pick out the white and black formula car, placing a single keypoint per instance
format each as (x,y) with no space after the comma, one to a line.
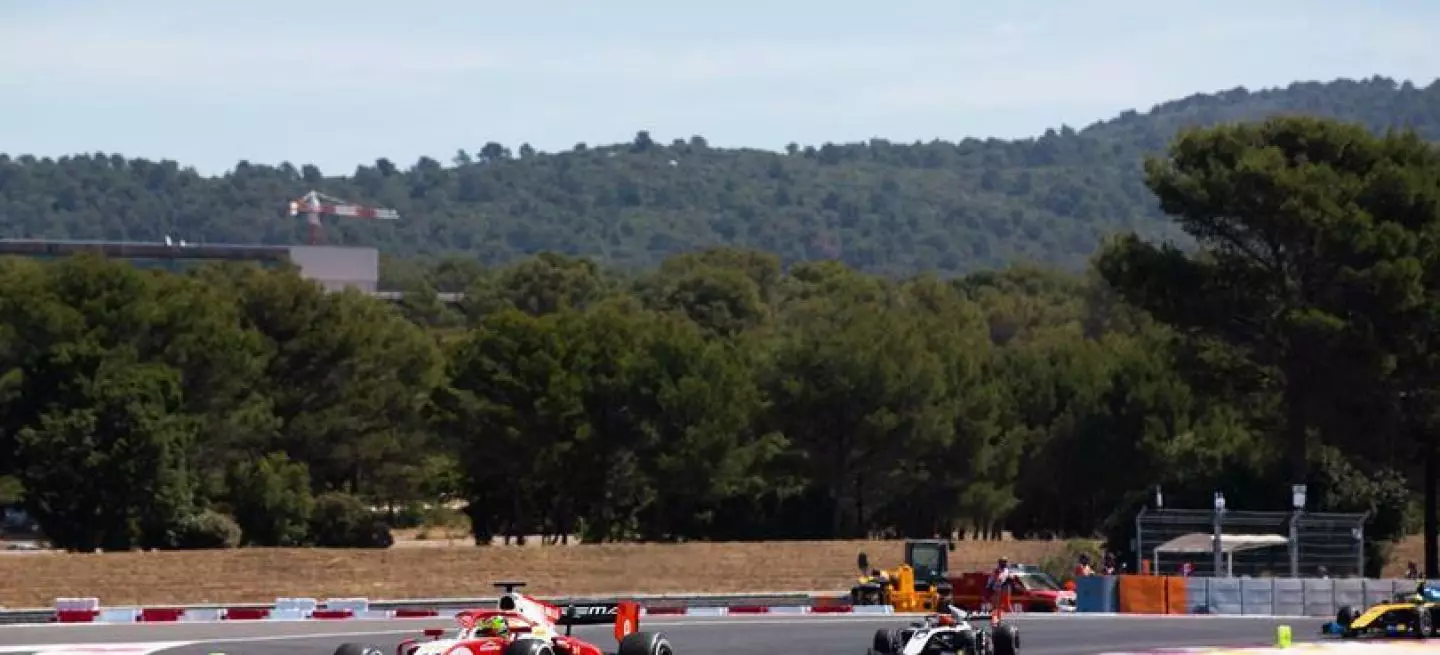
(948,634)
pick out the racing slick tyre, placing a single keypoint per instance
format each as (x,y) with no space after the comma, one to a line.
(1345,616)
(886,642)
(1424,627)
(644,643)
(1006,639)
(529,647)
(359,649)
(972,643)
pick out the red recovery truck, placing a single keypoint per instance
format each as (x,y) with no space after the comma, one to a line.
(1034,591)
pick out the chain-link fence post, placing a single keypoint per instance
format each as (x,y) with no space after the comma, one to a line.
(1295,544)
(1140,540)
(1219,529)
(1359,533)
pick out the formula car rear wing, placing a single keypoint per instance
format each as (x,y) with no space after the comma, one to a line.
(589,614)
(961,615)
(625,615)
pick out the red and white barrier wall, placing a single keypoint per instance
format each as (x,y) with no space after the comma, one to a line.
(89,610)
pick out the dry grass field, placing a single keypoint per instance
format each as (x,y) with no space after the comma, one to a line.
(462,570)
(1410,549)
(437,566)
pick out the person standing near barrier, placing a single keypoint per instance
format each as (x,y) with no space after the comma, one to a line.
(1109,565)
(997,588)
(1082,567)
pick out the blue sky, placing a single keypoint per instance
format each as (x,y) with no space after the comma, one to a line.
(339,83)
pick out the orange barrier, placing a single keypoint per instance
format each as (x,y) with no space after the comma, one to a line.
(1142,594)
(1175,599)
(1149,594)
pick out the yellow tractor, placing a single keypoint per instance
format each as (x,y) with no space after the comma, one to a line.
(918,585)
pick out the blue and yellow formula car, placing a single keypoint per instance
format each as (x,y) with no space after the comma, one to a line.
(1413,615)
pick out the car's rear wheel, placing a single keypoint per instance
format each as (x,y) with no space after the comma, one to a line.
(359,649)
(645,643)
(1006,638)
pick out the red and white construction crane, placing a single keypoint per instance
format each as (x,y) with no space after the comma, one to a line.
(314,204)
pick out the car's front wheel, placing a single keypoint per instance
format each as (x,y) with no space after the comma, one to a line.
(529,647)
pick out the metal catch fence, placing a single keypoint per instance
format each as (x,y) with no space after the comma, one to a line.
(1250,543)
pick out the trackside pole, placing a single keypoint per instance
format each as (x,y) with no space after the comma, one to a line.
(1218,528)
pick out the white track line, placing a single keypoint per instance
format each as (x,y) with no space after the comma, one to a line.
(127,648)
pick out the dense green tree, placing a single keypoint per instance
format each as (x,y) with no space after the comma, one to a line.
(681,408)
(856,390)
(1317,241)
(105,465)
(348,379)
(512,408)
(271,500)
(342,520)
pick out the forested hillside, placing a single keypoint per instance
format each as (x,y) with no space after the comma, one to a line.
(880,207)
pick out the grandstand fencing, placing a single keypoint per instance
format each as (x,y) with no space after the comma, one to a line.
(1251,543)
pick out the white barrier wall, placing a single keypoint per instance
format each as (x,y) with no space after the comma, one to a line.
(1257,596)
(1221,596)
(1319,597)
(1289,596)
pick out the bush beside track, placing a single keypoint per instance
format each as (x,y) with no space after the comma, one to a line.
(259,575)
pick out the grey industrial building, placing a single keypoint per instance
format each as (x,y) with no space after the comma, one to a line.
(334,267)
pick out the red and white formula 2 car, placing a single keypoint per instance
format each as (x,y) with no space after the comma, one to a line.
(524,625)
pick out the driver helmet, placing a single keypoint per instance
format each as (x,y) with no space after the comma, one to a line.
(495,626)
(1003,563)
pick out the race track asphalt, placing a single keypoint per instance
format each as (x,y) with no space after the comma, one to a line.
(827,635)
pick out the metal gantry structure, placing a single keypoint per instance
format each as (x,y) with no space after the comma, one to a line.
(315,204)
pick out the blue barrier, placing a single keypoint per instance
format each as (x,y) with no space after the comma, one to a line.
(1097,594)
